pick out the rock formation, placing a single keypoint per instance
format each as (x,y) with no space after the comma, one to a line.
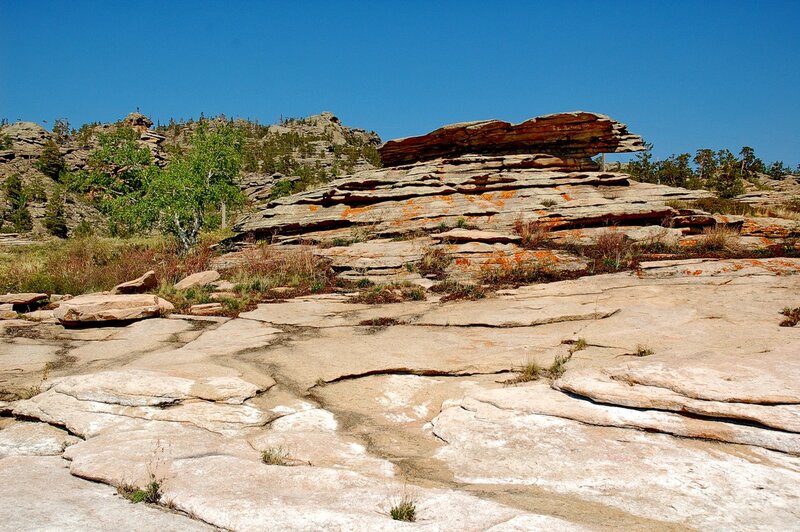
(493,177)
(578,135)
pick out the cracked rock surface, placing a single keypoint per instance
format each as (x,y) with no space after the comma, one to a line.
(678,408)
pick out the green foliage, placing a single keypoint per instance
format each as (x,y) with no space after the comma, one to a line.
(17,214)
(36,191)
(150,494)
(719,171)
(5,142)
(282,188)
(51,162)
(184,198)
(54,218)
(61,130)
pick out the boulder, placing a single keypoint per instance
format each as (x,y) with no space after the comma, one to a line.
(146,282)
(197,279)
(95,308)
(576,134)
(23,299)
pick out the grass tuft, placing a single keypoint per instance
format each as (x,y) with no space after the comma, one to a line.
(643,351)
(275,456)
(405,510)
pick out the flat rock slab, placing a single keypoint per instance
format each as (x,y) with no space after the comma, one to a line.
(646,474)
(236,494)
(94,308)
(23,299)
(34,439)
(39,493)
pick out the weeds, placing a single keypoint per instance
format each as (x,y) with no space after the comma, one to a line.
(275,456)
(405,510)
(719,239)
(643,351)
(792,317)
(92,264)
(150,494)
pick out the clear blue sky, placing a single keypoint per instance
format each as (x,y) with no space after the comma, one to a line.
(682,74)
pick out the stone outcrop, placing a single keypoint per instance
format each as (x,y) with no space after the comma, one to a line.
(470,191)
(27,138)
(577,135)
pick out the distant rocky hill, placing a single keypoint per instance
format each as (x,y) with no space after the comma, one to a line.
(292,156)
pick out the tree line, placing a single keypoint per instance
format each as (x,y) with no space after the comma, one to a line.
(719,171)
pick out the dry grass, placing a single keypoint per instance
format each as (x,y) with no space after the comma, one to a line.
(434,262)
(792,317)
(454,290)
(390,293)
(266,266)
(275,456)
(91,264)
(532,233)
(719,239)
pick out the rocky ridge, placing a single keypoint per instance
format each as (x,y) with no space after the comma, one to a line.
(395,214)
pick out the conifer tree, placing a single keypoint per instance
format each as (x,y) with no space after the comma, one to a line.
(17,213)
(54,218)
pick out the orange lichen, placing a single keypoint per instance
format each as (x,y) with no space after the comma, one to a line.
(566,197)
(350,212)
(313,208)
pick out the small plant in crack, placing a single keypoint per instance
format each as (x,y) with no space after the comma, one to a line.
(528,372)
(643,351)
(150,494)
(576,345)
(532,371)
(321,383)
(792,317)
(275,456)
(404,510)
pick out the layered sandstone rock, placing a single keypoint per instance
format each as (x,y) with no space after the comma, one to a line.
(577,134)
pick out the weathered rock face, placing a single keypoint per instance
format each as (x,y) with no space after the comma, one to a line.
(578,135)
(27,138)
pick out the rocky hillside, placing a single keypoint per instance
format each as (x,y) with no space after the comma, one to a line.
(294,155)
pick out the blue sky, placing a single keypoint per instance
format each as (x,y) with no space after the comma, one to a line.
(684,75)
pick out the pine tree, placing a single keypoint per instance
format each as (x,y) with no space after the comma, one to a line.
(17,213)
(54,218)
(51,162)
